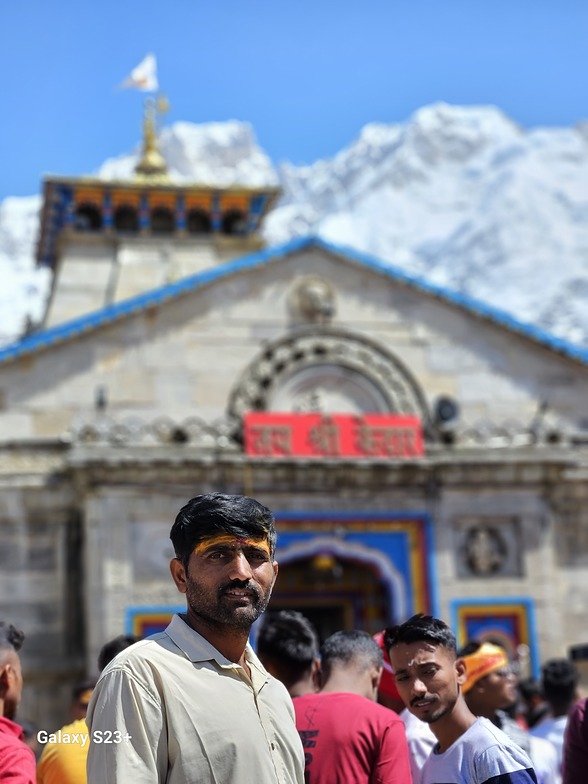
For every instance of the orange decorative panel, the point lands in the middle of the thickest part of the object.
(157, 199)
(198, 201)
(88, 196)
(235, 202)
(127, 198)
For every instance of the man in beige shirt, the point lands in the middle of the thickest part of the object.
(193, 704)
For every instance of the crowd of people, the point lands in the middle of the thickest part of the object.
(196, 704)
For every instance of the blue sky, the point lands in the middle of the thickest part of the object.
(307, 74)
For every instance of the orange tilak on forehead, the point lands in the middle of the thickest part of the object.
(226, 540)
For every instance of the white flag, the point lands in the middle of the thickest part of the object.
(144, 76)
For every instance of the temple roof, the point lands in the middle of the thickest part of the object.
(45, 339)
(63, 196)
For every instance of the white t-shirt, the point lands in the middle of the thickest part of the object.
(544, 758)
(420, 741)
(552, 730)
(482, 755)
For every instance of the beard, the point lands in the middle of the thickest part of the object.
(438, 714)
(444, 707)
(218, 610)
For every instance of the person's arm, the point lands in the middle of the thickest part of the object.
(128, 744)
(393, 764)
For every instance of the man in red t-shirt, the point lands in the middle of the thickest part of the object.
(346, 735)
(17, 761)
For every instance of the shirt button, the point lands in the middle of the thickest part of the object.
(273, 747)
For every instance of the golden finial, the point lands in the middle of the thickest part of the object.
(152, 164)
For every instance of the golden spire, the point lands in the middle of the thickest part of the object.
(152, 165)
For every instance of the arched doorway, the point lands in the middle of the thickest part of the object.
(334, 593)
(354, 570)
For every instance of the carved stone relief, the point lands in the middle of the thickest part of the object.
(313, 298)
(488, 547)
(330, 371)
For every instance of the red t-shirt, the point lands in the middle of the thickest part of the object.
(17, 761)
(348, 738)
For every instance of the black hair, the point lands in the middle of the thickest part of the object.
(421, 628)
(530, 687)
(215, 513)
(82, 686)
(288, 637)
(560, 679)
(346, 647)
(113, 647)
(470, 647)
(11, 638)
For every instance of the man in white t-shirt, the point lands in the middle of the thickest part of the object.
(429, 677)
(490, 688)
(419, 737)
(560, 680)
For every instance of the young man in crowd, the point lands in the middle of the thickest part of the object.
(347, 736)
(430, 677)
(559, 681)
(533, 702)
(490, 689)
(419, 738)
(288, 647)
(64, 759)
(17, 761)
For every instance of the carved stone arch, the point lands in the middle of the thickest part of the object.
(376, 380)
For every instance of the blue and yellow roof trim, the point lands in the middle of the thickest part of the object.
(159, 296)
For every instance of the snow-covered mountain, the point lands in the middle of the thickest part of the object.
(23, 288)
(220, 154)
(459, 195)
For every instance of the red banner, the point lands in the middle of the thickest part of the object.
(335, 435)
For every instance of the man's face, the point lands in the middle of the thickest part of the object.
(495, 691)
(228, 581)
(10, 682)
(428, 678)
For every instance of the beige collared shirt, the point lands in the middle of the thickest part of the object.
(191, 717)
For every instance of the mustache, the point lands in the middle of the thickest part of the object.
(243, 584)
(419, 699)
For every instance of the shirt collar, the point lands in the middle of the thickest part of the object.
(192, 644)
(196, 648)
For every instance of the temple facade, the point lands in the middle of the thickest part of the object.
(422, 452)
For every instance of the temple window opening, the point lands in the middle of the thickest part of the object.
(126, 220)
(198, 222)
(162, 221)
(234, 222)
(88, 218)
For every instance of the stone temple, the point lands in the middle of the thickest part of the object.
(422, 452)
